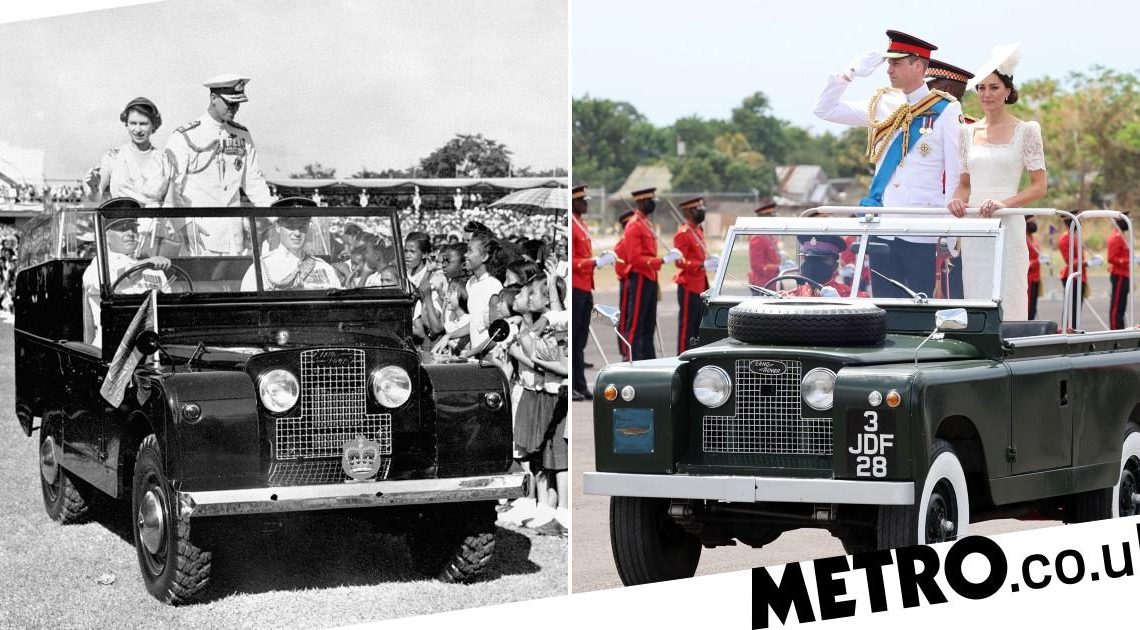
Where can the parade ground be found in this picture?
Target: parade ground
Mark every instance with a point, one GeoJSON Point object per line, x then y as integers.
{"type": "Point", "coordinates": [593, 565]}
{"type": "Point", "coordinates": [306, 571]}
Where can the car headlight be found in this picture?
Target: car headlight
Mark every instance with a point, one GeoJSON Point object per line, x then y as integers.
{"type": "Point", "coordinates": [278, 390]}
{"type": "Point", "coordinates": [712, 386]}
{"type": "Point", "coordinates": [818, 389]}
{"type": "Point", "coordinates": [391, 386]}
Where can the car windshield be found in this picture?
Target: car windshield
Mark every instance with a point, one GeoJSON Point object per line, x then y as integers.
{"type": "Point", "coordinates": [321, 250]}
{"type": "Point", "coordinates": [891, 258]}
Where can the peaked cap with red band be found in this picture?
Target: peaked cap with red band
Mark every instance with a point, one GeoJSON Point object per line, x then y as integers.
{"type": "Point", "coordinates": [943, 70]}
{"type": "Point", "coordinates": [903, 45]}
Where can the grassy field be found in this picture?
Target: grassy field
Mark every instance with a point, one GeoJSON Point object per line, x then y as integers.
{"type": "Point", "coordinates": [315, 571]}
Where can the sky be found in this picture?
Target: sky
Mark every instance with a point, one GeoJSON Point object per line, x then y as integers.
{"type": "Point", "coordinates": [675, 58]}
{"type": "Point", "coordinates": [347, 83]}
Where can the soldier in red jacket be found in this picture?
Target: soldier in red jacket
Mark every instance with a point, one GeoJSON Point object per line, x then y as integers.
{"type": "Point", "coordinates": [691, 279]}
{"type": "Point", "coordinates": [583, 264]}
{"type": "Point", "coordinates": [1119, 266]}
{"type": "Point", "coordinates": [639, 249]}
{"type": "Point", "coordinates": [763, 254]}
{"type": "Point", "coordinates": [1034, 276]}
{"type": "Point", "coordinates": [621, 268]}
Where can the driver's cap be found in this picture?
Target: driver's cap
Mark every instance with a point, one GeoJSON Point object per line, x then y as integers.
{"type": "Point", "coordinates": [124, 224]}
{"type": "Point", "coordinates": [826, 245]}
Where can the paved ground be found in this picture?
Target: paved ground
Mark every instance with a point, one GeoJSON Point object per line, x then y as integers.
{"type": "Point", "coordinates": [312, 572]}
{"type": "Point", "coordinates": [593, 566]}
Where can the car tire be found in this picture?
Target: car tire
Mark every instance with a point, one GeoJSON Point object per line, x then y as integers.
{"type": "Point", "coordinates": [1124, 494]}
{"type": "Point", "coordinates": [174, 568]}
{"type": "Point", "coordinates": [941, 512]}
{"type": "Point", "coordinates": [451, 554]}
{"type": "Point", "coordinates": [760, 321]}
{"type": "Point", "coordinates": [648, 545]}
{"type": "Point", "coordinates": [66, 498]}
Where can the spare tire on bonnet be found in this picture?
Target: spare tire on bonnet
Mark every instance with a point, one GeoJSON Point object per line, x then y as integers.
{"type": "Point", "coordinates": [807, 323]}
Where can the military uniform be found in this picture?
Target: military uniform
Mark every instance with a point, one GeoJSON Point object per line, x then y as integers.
{"type": "Point", "coordinates": [582, 295]}
{"type": "Point", "coordinates": [690, 279]}
{"type": "Point", "coordinates": [924, 126]}
{"type": "Point", "coordinates": [763, 252]}
{"type": "Point", "coordinates": [621, 269]}
{"type": "Point", "coordinates": [213, 162]}
{"type": "Point", "coordinates": [640, 250]}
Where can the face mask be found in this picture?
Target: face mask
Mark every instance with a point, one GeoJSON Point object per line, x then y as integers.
{"type": "Point", "coordinates": [818, 269]}
{"type": "Point", "coordinates": [649, 206]}
{"type": "Point", "coordinates": [699, 216]}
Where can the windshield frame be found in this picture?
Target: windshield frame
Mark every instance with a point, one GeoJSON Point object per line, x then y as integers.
{"type": "Point", "coordinates": [864, 228]}
{"type": "Point", "coordinates": [249, 215]}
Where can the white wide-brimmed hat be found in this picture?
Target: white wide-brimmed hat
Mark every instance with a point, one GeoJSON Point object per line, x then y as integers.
{"type": "Point", "coordinates": [1003, 59]}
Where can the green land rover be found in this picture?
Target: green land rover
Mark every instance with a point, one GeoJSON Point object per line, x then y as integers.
{"type": "Point", "coordinates": [888, 421]}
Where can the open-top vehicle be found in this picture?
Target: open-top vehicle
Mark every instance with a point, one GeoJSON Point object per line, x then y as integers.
{"type": "Point", "coordinates": [888, 421]}
{"type": "Point", "coordinates": [265, 385]}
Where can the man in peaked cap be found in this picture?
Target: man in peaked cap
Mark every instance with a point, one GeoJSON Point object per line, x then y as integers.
{"type": "Point", "coordinates": [621, 269]}
{"type": "Point", "coordinates": [950, 79]}
{"type": "Point", "coordinates": [640, 250]}
{"type": "Point", "coordinates": [215, 159]}
{"type": "Point", "coordinates": [583, 263]}
{"type": "Point", "coordinates": [819, 261]}
{"type": "Point", "coordinates": [908, 125]}
{"type": "Point", "coordinates": [121, 244]}
{"type": "Point", "coordinates": [691, 278]}
{"type": "Point", "coordinates": [289, 266]}
{"type": "Point", "coordinates": [763, 251]}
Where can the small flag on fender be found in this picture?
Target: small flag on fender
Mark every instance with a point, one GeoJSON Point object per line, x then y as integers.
{"type": "Point", "coordinates": [122, 367]}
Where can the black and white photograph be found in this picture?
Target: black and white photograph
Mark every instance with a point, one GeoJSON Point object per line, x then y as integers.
{"type": "Point", "coordinates": [284, 312]}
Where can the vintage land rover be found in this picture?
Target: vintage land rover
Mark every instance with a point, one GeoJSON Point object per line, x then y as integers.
{"type": "Point", "coordinates": [262, 388]}
{"type": "Point", "coordinates": [887, 421]}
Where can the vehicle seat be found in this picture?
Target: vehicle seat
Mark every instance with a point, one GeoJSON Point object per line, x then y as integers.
{"type": "Point", "coordinates": [1034, 328]}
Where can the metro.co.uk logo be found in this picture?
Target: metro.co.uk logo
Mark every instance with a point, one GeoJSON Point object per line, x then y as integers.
{"type": "Point", "coordinates": [972, 568]}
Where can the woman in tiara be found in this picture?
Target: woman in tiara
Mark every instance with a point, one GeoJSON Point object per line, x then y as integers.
{"type": "Point", "coordinates": [994, 152]}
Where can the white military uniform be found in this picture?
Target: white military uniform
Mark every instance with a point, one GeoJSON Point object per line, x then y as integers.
{"type": "Point", "coordinates": [918, 181]}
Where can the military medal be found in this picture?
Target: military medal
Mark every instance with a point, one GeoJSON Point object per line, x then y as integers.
{"type": "Point", "coordinates": [924, 148]}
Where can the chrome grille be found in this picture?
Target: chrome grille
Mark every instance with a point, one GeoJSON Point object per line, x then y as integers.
{"type": "Point", "coordinates": [333, 408]}
{"type": "Point", "coordinates": [768, 418]}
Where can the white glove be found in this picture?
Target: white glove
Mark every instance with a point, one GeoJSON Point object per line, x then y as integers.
{"type": "Point", "coordinates": [865, 65]}
{"type": "Point", "coordinates": [607, 258]}
{"type": "Point", "coordinates": [673, 255]}
{"type": "Point", "coordinates": [711, 263]}
{"type": "Point", "coordinates": [827, 291]}
{"type": "Point", "coordinates": [1096, 261]}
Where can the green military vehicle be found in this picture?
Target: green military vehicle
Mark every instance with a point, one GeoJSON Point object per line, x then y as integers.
{"type": "Point", "coordinates": [888, 421]}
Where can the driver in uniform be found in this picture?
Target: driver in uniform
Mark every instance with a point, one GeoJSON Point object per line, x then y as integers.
{"type": "Point", "coordinates": [122, 244]}
{"type": "Point", "coordinates": [288, 266]}
{"type": "Point", "coordinates": [820, 263]}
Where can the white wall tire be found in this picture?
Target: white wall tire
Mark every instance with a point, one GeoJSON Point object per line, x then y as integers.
{"type": "Point", "coordinates": [941, 512]}
{"type": "Point", "coordinates": [1126, 488]}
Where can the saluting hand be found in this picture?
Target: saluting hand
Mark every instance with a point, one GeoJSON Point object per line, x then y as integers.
{"type": "Point", "coordinates": [864, 66]}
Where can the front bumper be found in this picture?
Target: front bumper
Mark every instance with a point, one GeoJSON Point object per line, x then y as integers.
{"type": "Point", "coordinates": [352, 495]}
{"type": "Point", "coordinates": [750, 489]}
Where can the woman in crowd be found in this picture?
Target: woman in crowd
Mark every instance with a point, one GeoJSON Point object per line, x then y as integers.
{"type": "Point", "coordinates": [137, 169]}
{"type": "Point", "coordinates": [994, 152]}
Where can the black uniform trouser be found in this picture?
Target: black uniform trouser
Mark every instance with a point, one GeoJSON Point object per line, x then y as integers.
{"type": "Point", "coordinates": [1034, 289]}
{"type": "Point", "coordinates": [909, 263]}
{"type": "Point", "coordinates": [581, 303]}
{"type": "Point", "coordinates": [691, 309]}
{"type": "Point", "coordinates": [623, 285]}
{"type": "Point", "coordinates": [1118, 305]}
{"type": "Point", "coordinates": [641, 315]}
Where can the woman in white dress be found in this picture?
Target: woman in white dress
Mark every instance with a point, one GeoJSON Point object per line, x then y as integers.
{"type": "Point", "coordinates": [137, 169]}
{"type": "Point", "coordinates": [994, 151]}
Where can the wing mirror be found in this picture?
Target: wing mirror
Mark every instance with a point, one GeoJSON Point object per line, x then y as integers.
{"type": "Point", "coordinates": [945, 319]}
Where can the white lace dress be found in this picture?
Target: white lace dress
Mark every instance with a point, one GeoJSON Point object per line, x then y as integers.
{"type": "Point", "coordinates": [995, 173]}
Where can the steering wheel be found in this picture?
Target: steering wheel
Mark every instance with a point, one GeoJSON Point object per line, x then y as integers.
{"type": "Point", "coordinates": [174, 269]}
{"type": "Point", "coordinates": [795, 276]}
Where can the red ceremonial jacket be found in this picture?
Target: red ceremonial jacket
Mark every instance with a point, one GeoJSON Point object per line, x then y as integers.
{"type": "Point", "coordinates": [1063, 246]}
{"type": "Point", "coordinates": [1034, 258]}
{"type": "Point", "coordinates": [640, 247]}
{"type": "Point", "coordinates": [1119, 261]}
{"type": "Point", "coordinates": [581, 257]}
{"type": "Point", "coordinates": [690, 239]}
{"type": "Point", "coordinates": [763, 259]}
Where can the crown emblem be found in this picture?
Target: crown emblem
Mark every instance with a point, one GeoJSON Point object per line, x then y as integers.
{"type": "Point", "coordinates": [361, 458]}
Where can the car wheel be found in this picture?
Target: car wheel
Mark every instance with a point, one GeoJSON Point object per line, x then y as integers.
{"type": "Point", "coordinates": [453, 553]}
{"type": "Point", "coordinates": [648, 545]}
{"type": "Point", "coordinates": [66, 499]}
{"type": "Point", "coordinates": [1126, 494]}
{"type": "Point", "coordinates": [174, 568]}
{"type": "Point", "coordinates": [942, 512]}
{"type": "Point", "coordinates": [819, 324]}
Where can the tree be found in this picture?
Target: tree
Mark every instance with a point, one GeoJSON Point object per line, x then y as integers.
{"type": "Point", "coordinates": [612, 137]}
{"type": "Point", "coordinates": [468, 156]}
{"type": "Point", "coordinates": [314, 170]}
{"type": "Point", "coordinates": [764, 132]}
